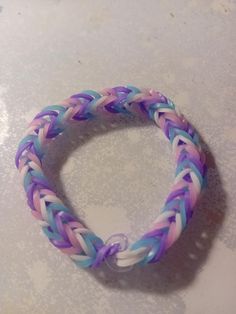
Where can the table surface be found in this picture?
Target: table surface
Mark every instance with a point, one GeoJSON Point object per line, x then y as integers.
{"type": "Point", "coordinates": [116, 175]}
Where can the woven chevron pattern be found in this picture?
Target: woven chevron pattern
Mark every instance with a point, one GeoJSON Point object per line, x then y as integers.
{"type": "Point", "coordinates": [67, 232]}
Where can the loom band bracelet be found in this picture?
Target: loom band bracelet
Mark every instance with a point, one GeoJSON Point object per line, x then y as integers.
{"type": "Point", "coordinates": [67, 232]}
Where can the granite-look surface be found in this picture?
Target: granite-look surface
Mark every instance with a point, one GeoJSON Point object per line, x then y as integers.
{"type": "Point", "coordinates": [117, 175]}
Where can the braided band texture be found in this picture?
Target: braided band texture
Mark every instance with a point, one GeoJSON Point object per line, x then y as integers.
{"type": "Point", "coordinates": [67, 232]}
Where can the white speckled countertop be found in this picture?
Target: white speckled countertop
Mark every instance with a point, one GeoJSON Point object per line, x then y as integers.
{"type": "Point", "coordinates": [117, 180]}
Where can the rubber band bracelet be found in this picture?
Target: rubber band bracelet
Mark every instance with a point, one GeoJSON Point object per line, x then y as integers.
{"type": "Point", "coordinates": [67, 232]}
